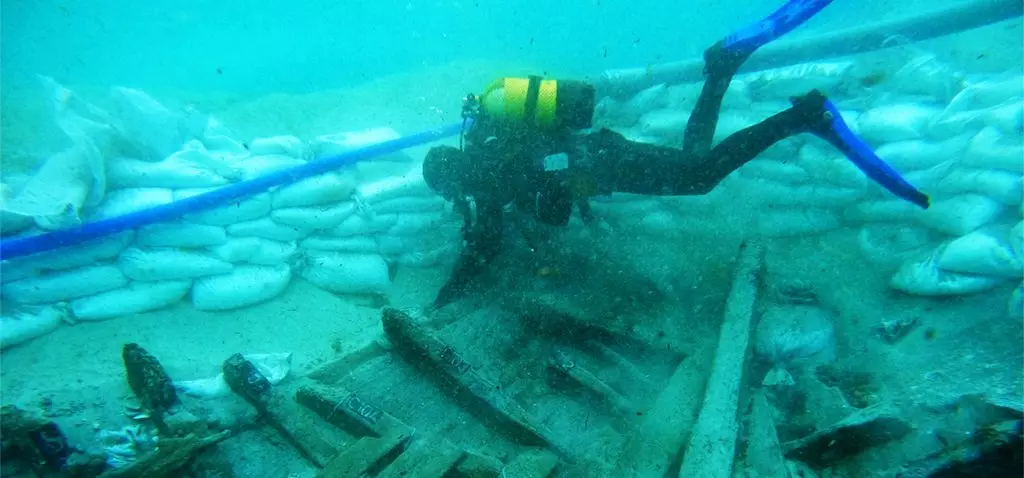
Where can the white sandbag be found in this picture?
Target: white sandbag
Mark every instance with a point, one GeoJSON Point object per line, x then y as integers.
{"type": "Point", "coordinates": [1015, 304]}
{"type": "Point", "coordinates": [987, 93]}
{"type": "Point", "coordinates": [730, 122]}
{"type": "Point", "coordinates": [925, 278]}
{"type": "Point", "coordinates": [896, 122]}
{"type": "Point", "coordinates": [1016, 240]}
{"type": "Point", "coordinates": [236, 249]}
{"type": "Point", "coordinates": [340, 244]}
{"type": "Point", "coordinates": [948, 124]}
{"type": "Point", "coordinates": [267, 229]}
{"type": "Point", "coordinates": [989, 150]}
{"type": "Point", "coordinates": [649, 99]}
{"type": "Point", "coordinates": [65, 285]}
{"type": "Point", "coordinates": [316, 190]}
{"type": "Point", "coordinates": [150, 125]}
{"type": "Point", "coordinates": [395, 245]}
{"type": "Point", "coordinates": [981, 253]}
{"type": "Point", "coordinates": [889, 245]}
{"type": "Point", "coordinates": [960, 215]}
{"type": "Point", "coordinates": [767, 192]}
{"type": "Point", "coordinates": [256, 166]}
{"type": "Point", "coordinates": [314, 217]}
{"type": "Point", "coordinates": [246, 285]}
{"type": "Point", "coordinates": [12, 223]}
{"type": "Point", "coordinates": [358, 224]}
{"type": "Point", "coordinates": [236, 211]}
{"type": "Point", "coordinates": [181, 234]}
{"type": "Point", "coordinates": [824, 163]}
{"type": "Point", "coordinates": [169, 264]}
{"type": "Point", "coordinates": [418, 204]}
{"type": "Point", "coordinates": [337, 143]}
{"type": "Point", "coordinates": [783, 172]}
{"type": "Point", "coordinates": [419, 222]}
{"type": "Point", "coordinates": [224, 145]}
{"type": "Point", "coordinates": [917, 154]}
{"type": "Point", "coordinates": [21, 324]}
{"type": "Point", "coordinates": [785, 222]}
{"type": "Point", "coordinates": [173, 172]}
{"type": "Point", "coordinates": [286, 145]}
{"type": "Point", "coordinates": [124, 201]}
{"type": "Point", "coordinates": [925, 75]}
{"type": "Point", "coordinates": [70, 257]}
{"type": "Point", "coordinates": [441, 256]}
{"type": "Point", "coordinates": [136, 298]}
{"type": "Point", "coordinates": [272, 253]}
{"type": "Point", "coordinates": [666, 123]}
{"type": "Point", "coordinates": [1003, 186]}
{"type": "Point", "coordinates": [1007, 118]}
{"type": "Point", "coordinates": [274, 367]}
{"type": "Point", "coordinates": [797, 79]}
{"type": "Point", "coordinates": [789, 333]}
{"type": "Point", "coordinates": [409, 183]}
{"type": "Point", "coordinates": [882, 210]}
{"type": "Point", "coordinates": [683, 97]}
{"type": "Point", "coordinates": [347, 273]}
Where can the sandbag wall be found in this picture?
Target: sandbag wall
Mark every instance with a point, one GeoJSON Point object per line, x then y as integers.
{"type": "Point", "coordinates": [338, 230]}
{"type": "Point", "coordinates": [957, 137]}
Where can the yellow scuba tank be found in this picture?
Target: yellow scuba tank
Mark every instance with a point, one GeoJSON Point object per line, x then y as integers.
{"type": "Point", "coordinates": [537, 102]}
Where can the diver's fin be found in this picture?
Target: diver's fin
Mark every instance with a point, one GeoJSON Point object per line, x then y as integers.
{"type": "Point", "coordinates": [836, 132]}
{"type": "Point", "coordinates": [791, 15]}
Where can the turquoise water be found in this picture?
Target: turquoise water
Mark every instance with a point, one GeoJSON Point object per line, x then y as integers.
{"type": "Point", "coordinates": [797, 320]}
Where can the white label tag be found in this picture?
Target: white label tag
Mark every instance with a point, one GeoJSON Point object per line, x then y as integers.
{"type": "Point", "coordinates": [556, 162]}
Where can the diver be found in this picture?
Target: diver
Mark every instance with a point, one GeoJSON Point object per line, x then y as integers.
{"type": "Point", "coordinates": [530, 146]}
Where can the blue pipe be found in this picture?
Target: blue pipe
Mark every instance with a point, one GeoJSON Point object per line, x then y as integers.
{"type": "Point", "coordinates": [25, 246]}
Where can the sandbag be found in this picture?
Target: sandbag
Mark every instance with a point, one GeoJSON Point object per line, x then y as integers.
{"type": "Point", "coordinates": [786, 222]}
{"type": "Point", "coordinates": [665, 123]}
{"type": "Point", "coordinates": [267, 229]}
{"type": "Point", "coordinates": [347, 273]}
{"type": "Point", "coordinates": [70, 257]}
{"type": "Point", "coordinates": [239, 210]}
{"type": "Point", "coordinates": [391, 245]}
{"type": "Point", "coordinates": [246, 285]}
{"type": "Point", "coordinates": [785, 334]}
{"type": "Point", "coordinates": [882, 210]}
{"type": "Point", "coordinates": [1016, 240]}
{"type": "Point", "coordinates": [160, 264]}
{"type": "Point", "coordinates": [286, 145]}
{"type": "Point", "coordinates": [1007, 118]}
{"type": "Point", "coordinates": [314, 217]}
{"type": "Point", "coordinates": [917, 154]}
{"type": "Point", "coordinates": [124, 201]}
{"type": "Point", "coordinates": [772, 193]}
{"type": "Point", "coordinates": [65, 285]}
{"type": "Point", "coordinates": [441, 256]}
{"type": "Point", "coordinates": [982, 253]}
{"type": "Point", "coordinates": [256, 250]}
{"type": "Point", "coordinates": [420, 204]}
{"type": "Point", "coordinates": [1015, 304]}
{"type": "Point", "coordinates": [173, 172]}
{"type": "Point", "coordinates": [989, 150]}
{"type": "Point", "coordinates": [896, 122]}
{"type": "Point", "coordinates": [152, 127]}
{"type": "Point", "coordinates": [959, 215]}
{"type": "Point", "coordinates": [889, 245]}
{"type": "Point", "coordinates": [924, 74]}
{"type": "Point", "coordinates": [683, 97]}
{"type": "Point", "coordinates": [340, 244]}
{"type": "Point", "coordinates": [797, 79]}
{"type": "Point", "coordinates": [337, 143]}
{"type": "Point", "coordinates": [418, 223]}
{"type": "Point", "coordinates": [985, 94]}
{"type": "Point", "coordinates": [262, 165]}
{"type": "Point", "coordinates": [135, 298]}
{"type": "Point", "coordinates": [825, 164]}
{"type": "Point", "coordinates": [21, 324]}
{"type": "Point", "coordinates": [313, 191]}
{"type": "Point", "coordinates": [1003, 186]}
{"type": "Point", "coordinates": [224, 145]}
{"type": "Point", "coordinates": [358, 224]}
{"type": "Point", "coordinates": [783, 172]}
{"type": "Point", "coordinates": [925, 278]}
{"type": "Point", "coordinates": [185, 235]}
{"type": "Point", "coordinates": [409, 183]}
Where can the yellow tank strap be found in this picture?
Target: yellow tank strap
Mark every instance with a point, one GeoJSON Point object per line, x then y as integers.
{"type": "Point", "coordinates": [515, 98]}
{"type": "Point", "coordinates": [547, 100]}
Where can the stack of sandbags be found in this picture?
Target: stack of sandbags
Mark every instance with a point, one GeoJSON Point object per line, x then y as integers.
{"type": "Point", "coordinates": [957, 138]}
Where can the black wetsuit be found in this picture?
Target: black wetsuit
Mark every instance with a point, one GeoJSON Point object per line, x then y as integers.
{"type": "Point", "coordinates": [509, 165]}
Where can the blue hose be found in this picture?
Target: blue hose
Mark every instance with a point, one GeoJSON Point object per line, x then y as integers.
{"type": "Point", "coordinates": [25, 246]}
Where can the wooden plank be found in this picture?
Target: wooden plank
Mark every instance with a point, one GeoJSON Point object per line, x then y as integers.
{"type": "Point", "coordinates": [426, 458]}
{"type": "Point", "coordinates": [564, 366]}
{"type": "Point", "coordinates": [363, 456]}
{"type": "Point", "coordinates": [336, 370]}
{"type": "Point", "coordinates": [348, 411]}
{"type": "Point", "coordinates": [536, 463]}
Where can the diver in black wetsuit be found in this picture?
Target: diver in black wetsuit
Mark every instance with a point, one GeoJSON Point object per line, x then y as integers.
{"type": "Point", "coordinates": [530, 146]}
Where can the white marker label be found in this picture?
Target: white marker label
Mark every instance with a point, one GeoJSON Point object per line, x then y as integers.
{"type": "Point", "coordinates": [556, 162]}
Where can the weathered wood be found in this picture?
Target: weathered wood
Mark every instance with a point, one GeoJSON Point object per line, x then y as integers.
{"type": "Point", "coordinates": [168, 459]}
{"type": "Point", "coordinates": [346, 410]}
{"type": "Point", "coordinates": [536, 463]}
{"type": "Point", "coordinates": [563, 365]}
{"type": "Point", "coordinates": [427, 458]}
{"type": "Point", "coordinates": [335, 370]}
{"type": "Point", "coordinates": [446, 365]}
{"type": "Point", "coordinates": [363, 456]}
{"type": "Point", "coordinates": [712, 446]}
{"type": "Point", "coordinates": [474, 465]}
{"type": "Point", "coordinates": [764, 453]}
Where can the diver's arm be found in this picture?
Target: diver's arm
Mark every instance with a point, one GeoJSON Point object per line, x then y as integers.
{"type": "Point", "coordinates": [483, 241]}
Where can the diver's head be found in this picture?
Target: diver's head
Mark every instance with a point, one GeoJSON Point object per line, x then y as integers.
{"type": "Point", "coordinates": [539, 103]}
{"type": "Point", "coordinates": [445, 169]}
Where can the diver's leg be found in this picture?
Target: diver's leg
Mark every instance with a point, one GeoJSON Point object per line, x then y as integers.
{"type": "Point", "coordinates": [723, 60]}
